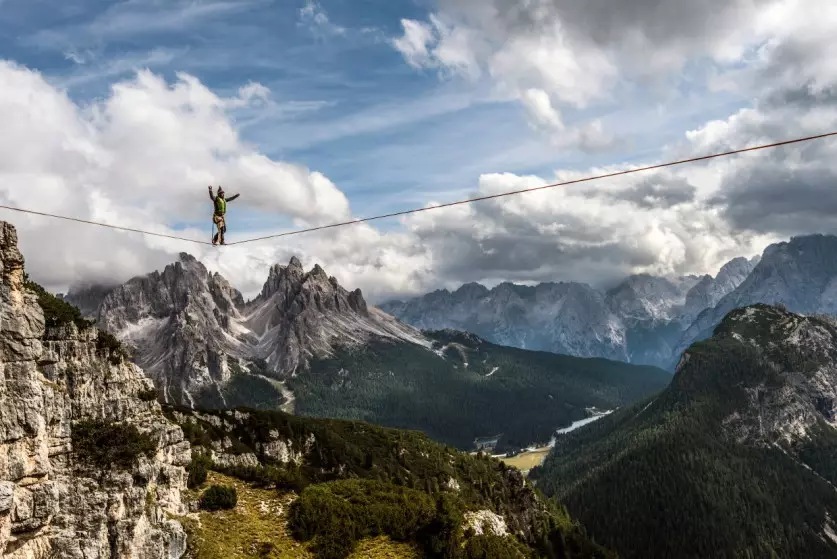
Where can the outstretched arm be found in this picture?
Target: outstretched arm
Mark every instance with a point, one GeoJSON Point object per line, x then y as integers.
{"type": "Point", "coordinates": [211, 196]}
{"type": "Point", "coordinates": [233, 197]}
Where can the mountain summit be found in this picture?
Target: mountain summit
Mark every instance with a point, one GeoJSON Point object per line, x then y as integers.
{"type": "Point", "coordinates": [800, 274]}
{"type": "Point", "coordinates": [204, 345]}
{"type": "Point", "coordinates": [736, 456]}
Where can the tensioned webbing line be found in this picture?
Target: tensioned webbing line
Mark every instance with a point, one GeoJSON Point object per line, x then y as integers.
{"type": "Point", "coordinates": [533, 189]}
{"type": "Point", "coordinates": [439, 206]}
{"type": "Point", "coordinates": [104, 225]}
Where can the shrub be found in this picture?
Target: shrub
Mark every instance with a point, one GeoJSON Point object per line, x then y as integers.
{"type": "Point", "coordinates": [147, 395]}
{"type": "Point", "coordinates": [109, 347]}
{"type": "Point", "coordinates": [104, 444]}
{"type": "Point", "coordinates": [338, 514]}
{"type": "Point", "coordinates": [56, 312]}
{"type": "Point", "coordinates": [198, 469]}
{"type": "Point", "coordinates": [195, 434]}
{"type": "Point", "coordinates": [268, 476]}
{"type": "Point", "coordinates": [219, 497]}
{"type": "Point", "coordinates": [495, 547]}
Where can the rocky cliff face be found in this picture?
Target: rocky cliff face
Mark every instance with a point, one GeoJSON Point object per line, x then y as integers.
{"type": "Point", "coordinates": [709, 291]}
{"type": "Point", "coordinates": [301, 315]}
{"type": "Point", "coordinates": [52, 502]}
{"type": "Point", "coordinates": [206, 347]}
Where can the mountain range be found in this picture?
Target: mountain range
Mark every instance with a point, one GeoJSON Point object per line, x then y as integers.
{"type": "Point", "coordinates": [645, 319]}
{"type": "Point", "coordinates": [307, 345]}
{"type": "Point", "coordinates": [732, 456]}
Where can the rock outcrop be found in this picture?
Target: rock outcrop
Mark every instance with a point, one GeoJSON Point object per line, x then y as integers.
{"type": "Point", "coordinates": [54, 503]}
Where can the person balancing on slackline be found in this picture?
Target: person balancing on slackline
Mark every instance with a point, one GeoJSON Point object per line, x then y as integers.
{"type": "Point", "coordinates": [220, 210]}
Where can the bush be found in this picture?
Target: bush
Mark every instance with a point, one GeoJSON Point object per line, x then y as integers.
{"type": "Point", "coordinates": [219, 497]}
{"type": "Point", "coordinates": [195, 434]}
{"type": "Point", "coordinates": [289, 479]}
{"type": "Point", "coordinates": [56, 312]}
{"type": "Point", "coordinates": [494, 547]}
{"type": "Point", "coordinates": [338, 514]}
{"type": "Point", "coordinates": [109, 347]}
{"type": "Point", "coordinates": [147, 395]}
{"type": "Point", "coordinates": [104, 444]}
{"type": "Point", "coordinates": [198, 469]}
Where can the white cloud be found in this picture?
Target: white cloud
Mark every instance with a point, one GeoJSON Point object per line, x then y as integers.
{"type": "Point", "coordinates": [587, 55]}
{"type": "Point", "coordinates": [313, 16]}
{"type": "Point", "coordinates": [142, 157]}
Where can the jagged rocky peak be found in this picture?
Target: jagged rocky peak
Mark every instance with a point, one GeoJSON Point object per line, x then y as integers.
{"type": "Point", "coordinates": [472, 290]}
{"type": "Point", "coordinates": [775, 369]}
{"type": "Point", "coordinates": [280, 277]}
{"type": "Point", "coordinates": [709, 290]}
{"type": "Point", "coordinates": [801, 274]}
{"type": "Point", "coordinates": [196, 337]}
{"type": "Point", "coordinates": [293, 290]}
{"type": "Point", "coordinates": [56, 499]}
{"type": "Point", "coordinates": [184, 284]}
{"type": "Point", "coordinates": [647, 297]}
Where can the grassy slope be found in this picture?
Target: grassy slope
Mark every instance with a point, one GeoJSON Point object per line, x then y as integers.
{"type": "Point", "coordinates": [257, 528]}
{"type": "Point", "coordinates": [354, 450]}
{"type": "Point", "coordinates": [524, 394]}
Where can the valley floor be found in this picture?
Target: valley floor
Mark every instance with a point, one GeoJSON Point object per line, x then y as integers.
{"type": "Point", "coordinates": [257, 528]}
{"type": "Point", "coordinates": [532, 457]}
{"type": "Point", "coordinates": [525, 461]}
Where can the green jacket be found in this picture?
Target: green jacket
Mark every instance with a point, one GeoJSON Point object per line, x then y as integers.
{"type": "Point", "coordinates": [221, 203]}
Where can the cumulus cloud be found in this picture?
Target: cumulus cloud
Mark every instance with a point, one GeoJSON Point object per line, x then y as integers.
{"type": "Point", "coordinates": [142, 157]}
{"type": "Point", "coordinates": [558, 54]}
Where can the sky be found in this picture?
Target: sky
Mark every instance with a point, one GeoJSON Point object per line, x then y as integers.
{"type": "Point", "coordinates": [329, 110]}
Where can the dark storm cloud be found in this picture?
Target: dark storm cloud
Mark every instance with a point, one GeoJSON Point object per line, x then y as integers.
{"type": "Point", "coordinates": [608, 23]}
{"type": "Point", "coordinates": [791, 77]}
{"type": "Point", "coordinates": [659, 192]}
{"type": "Point", "coordinates": [779, 199]}
{"type": "Point", "coordinates": [524, 247]}
{"type": "Point", "coordinates": [805, 96]}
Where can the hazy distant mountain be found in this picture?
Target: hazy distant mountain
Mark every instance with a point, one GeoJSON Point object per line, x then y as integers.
{"type": "Point", "coordinates": [569, 318]}
{"type": "Point", "coordinates": [641, 320]}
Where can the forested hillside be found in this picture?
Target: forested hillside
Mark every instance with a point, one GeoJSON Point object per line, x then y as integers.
{"type": "Point", "coordinates": [468, 388]}
{"type": "Point", "coordinates": [734, 459]}
{"type": "Point", "coordinates": [357, 481]}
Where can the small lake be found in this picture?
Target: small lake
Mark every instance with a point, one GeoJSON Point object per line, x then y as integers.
{"type": "Point", "coordinates": [580, 423]}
